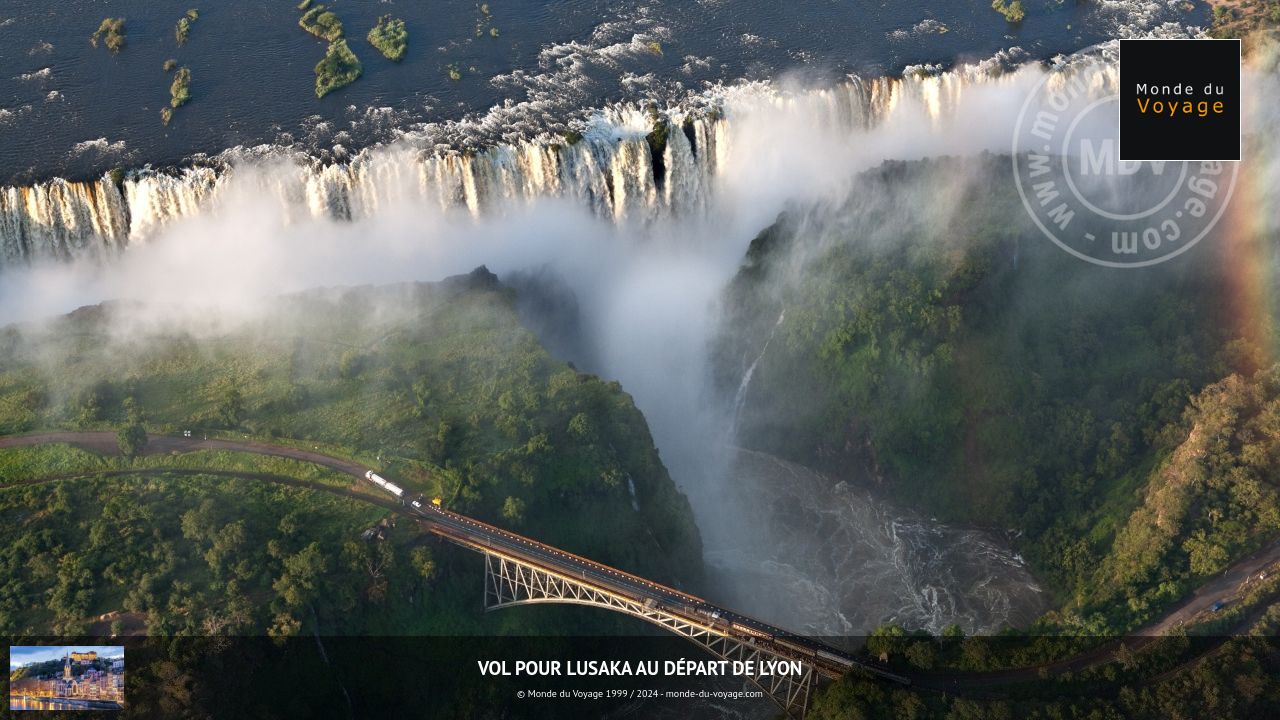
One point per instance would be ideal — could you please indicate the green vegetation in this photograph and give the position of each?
(1012, 11)
(132, 439)
(177, 555)
(1247, 19)
(180, 88)
(661, 131)
(454, 74)
(1126, 425)
(437, 386)
(322, 23)
(183, 28)
(111, 32)
(166, 115)
(1121, 424)
(339, 67)
(304, 4)
(390, 37)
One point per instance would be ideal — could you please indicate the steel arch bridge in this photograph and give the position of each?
(510, 582)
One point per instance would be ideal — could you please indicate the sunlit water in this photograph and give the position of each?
(67, 108)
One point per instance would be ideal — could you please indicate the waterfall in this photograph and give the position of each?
(631, 488)
(740, 398)
(609, 167)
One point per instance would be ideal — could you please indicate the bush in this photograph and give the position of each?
(390, 37)
(183, 29)
(339, 68)
(180, 90)
(132, 439)
(321, 23)
(111, 31)
(1012, 12)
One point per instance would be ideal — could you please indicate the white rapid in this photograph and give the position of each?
(840, 562)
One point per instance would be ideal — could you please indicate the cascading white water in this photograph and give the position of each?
(740, 398)
(611, 169)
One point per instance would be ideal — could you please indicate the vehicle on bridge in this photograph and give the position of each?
(719, 621)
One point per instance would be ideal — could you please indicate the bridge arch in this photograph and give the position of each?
(510, 582)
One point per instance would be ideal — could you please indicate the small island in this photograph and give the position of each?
(180, 90)
(322, 23)
(390, 37)
(1012, 11)
(183, 28)
(339, 68)
(111, 32)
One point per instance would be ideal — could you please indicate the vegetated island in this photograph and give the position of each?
(1012, 11)
(390, 37)
(111, 32)
(179, 93)
(183, 29)
(339, 67)
(322, 23)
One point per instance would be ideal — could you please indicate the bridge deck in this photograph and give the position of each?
(480, 536)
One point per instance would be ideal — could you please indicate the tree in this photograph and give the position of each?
(423, 562)
(302, 571)
(922, 654)
(132, 439)
(231, 407)
(580, 426)
(349, 365)
(513, 510)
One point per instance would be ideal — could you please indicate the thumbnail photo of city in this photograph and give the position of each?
(66, 677)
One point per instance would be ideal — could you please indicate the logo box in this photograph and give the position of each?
(1180, 100)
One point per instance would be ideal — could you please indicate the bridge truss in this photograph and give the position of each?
(510, 581)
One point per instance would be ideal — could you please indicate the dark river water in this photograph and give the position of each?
(67, 108)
